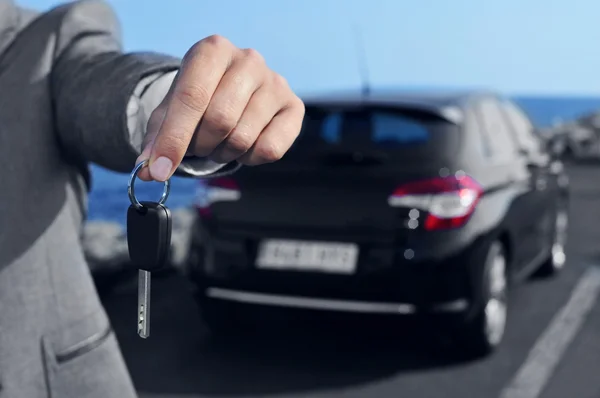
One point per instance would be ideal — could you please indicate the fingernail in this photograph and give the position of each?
(161, 168)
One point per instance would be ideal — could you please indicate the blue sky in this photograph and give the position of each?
(516, 46)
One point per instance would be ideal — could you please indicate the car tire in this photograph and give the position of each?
(557, 258)
(479, 335)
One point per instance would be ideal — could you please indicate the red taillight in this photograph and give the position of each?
(448, 201)
(223, 189)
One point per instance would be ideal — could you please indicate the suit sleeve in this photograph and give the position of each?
(101, 93)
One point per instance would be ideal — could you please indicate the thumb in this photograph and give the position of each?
(144, 173)
(153, 127)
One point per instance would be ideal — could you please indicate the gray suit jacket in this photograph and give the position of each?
(68, 96)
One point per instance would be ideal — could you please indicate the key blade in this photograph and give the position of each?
(143, 304)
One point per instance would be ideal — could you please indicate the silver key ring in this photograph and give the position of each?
(131, 188)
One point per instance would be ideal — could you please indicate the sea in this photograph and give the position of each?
(108, 199)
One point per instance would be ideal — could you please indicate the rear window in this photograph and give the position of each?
(408, 132)
(382, 128)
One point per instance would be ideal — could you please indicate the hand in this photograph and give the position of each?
(225, 104)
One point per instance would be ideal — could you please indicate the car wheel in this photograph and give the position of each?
(557, 258)
(481, 334)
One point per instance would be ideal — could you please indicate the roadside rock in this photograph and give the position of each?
(105, 244)
(180, 237)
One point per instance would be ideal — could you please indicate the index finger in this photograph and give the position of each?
(202, 69)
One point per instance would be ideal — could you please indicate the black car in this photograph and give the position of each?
(387, 204)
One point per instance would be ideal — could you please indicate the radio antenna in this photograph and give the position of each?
(363, 67)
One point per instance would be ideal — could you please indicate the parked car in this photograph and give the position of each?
(581, 143)
(576, 140)
(555, 139)
(395, 204)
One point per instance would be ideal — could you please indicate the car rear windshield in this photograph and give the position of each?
(405, 132)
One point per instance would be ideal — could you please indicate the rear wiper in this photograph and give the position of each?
(353, 158)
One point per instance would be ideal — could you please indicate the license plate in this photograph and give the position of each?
(337, 258)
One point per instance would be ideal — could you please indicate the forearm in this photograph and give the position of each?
(92, 94)
(103, 97)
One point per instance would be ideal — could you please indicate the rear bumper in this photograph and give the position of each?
(384, 283)
(327, 304)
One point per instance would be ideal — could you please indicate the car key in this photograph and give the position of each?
(149, 243)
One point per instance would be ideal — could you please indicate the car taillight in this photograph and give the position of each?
(448, 201)
(223, 189)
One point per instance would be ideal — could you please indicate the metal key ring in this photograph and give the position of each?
(131, 188)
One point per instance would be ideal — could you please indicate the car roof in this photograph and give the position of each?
(445, 103)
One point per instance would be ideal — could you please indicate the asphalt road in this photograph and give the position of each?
(550, 349)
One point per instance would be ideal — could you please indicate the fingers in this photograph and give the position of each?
(225, 104)
(277, 138)
(245, 76)
(200, 74)
(257, 115)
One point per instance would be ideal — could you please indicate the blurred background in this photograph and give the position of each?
(542, 55)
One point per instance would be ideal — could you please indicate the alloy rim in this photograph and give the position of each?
(496, 307)
(560, 237)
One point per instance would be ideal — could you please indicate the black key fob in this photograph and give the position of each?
(149, 235)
